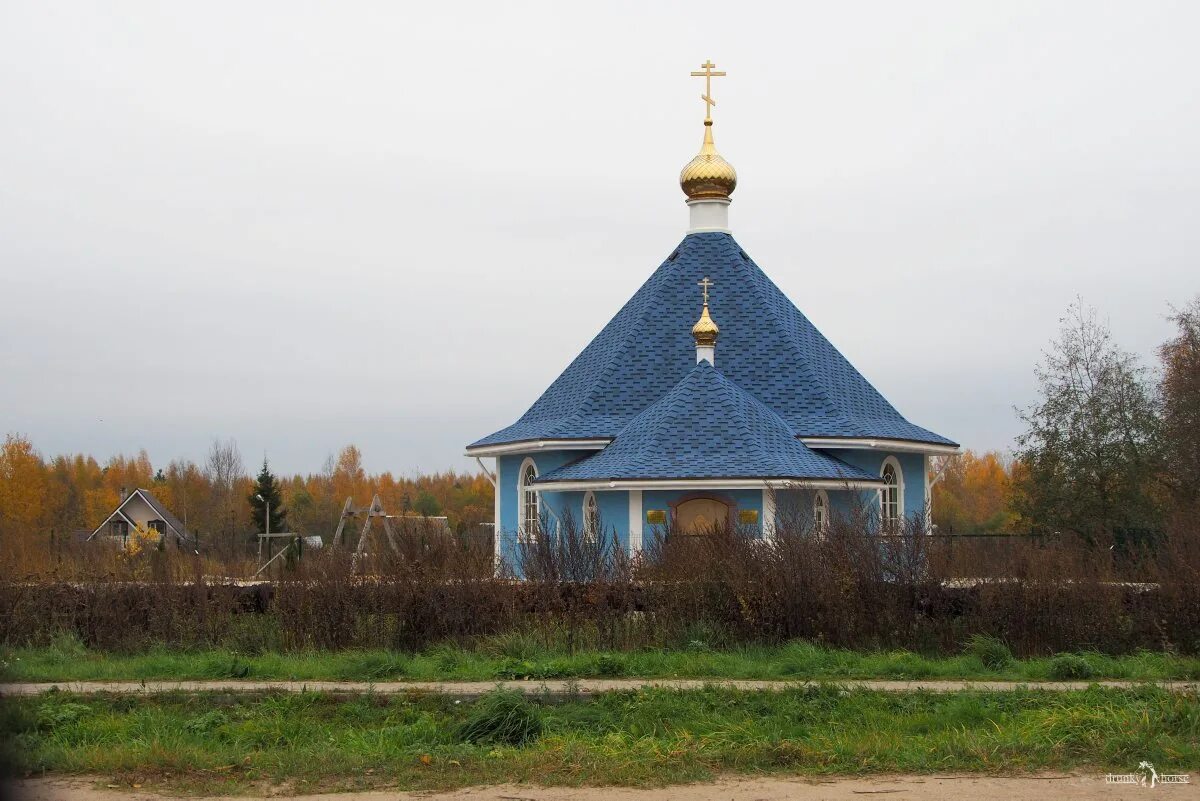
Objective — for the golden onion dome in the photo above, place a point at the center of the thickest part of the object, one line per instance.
(705, 330)
(708, 175)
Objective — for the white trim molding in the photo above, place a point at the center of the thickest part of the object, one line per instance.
(538, 445)
(928, 520)
(635, 522)
(497, 526)
(768, 514)
(708, 483)
(895, 445)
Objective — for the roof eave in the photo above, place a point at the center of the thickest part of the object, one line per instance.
(528, 445)
(732, 482)
(881, 444)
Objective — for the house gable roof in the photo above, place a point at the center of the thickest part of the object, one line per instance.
(154, 503)
(707, 427)
(767, 347)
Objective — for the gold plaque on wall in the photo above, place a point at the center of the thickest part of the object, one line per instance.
(656, 517)
(748, 517)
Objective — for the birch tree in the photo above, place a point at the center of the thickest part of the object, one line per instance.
(1090, 449)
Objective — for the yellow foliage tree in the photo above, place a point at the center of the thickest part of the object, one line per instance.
(23, 488)
(974, 494)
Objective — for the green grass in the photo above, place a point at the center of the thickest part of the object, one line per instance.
(232, 742)
(512, 657)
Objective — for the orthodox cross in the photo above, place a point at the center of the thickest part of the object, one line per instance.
(708, 75)
(704, 285)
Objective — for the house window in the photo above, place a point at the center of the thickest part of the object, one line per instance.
(528, 502)
(591, 517)
(820, 512)
(120, 528)
(890, 505)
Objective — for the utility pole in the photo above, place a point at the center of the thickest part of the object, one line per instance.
(266, 524)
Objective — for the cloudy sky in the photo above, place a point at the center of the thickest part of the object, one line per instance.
(303, 225)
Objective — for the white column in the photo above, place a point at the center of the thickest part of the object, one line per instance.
(635, 522)
(928, 495)
(708, 214)
(496, 527)
(706, 353)
(768, 513)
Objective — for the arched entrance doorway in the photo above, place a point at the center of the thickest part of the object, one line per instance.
(701, 515)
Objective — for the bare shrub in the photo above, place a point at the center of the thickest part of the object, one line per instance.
(845, 585)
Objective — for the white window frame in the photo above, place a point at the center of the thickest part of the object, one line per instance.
(523, 490)
(821, 519)
(898, 488)
(590, 527)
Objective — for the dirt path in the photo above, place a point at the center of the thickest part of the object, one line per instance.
(470, 689)
(929, 788)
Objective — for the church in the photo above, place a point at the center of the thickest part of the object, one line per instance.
(708, 399)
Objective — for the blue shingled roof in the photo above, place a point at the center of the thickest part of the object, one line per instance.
(767, 347)
(706, 427)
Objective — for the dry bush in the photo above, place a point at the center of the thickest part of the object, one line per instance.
(845, 586)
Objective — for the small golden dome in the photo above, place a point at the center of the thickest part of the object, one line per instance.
(708, 175)
(705, 330)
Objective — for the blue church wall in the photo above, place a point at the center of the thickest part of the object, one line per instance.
(912, 468)
(613, 504)
(508, 474)
(794, 507)
(614, 515)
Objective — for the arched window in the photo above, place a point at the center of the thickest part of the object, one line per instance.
(591, 517)
(820, 512)
(891, 496)
(528, 503)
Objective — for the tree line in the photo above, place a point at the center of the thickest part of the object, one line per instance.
(67, 495)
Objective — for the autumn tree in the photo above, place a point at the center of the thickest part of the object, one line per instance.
(23, 489)
(224, 468)
(186, 492)
(973, 494)
(349, 479)
(71, 495)
(302, 505)
(1089, 451)
(1179, 393)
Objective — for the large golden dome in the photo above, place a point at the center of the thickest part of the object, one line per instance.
(708, 175)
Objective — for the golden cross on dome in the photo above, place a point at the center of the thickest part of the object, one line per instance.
(708, 75)
(704, 285)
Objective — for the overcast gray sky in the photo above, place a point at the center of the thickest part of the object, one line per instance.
(303, 225)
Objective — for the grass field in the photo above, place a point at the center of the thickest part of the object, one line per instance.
(230, 742)
(517, 657)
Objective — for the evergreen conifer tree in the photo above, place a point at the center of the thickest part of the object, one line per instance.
(266, 486)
